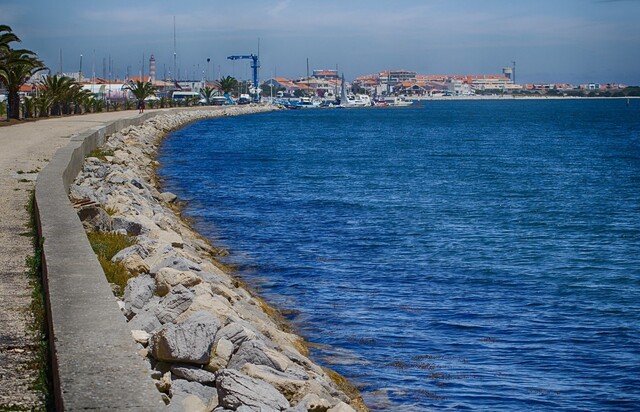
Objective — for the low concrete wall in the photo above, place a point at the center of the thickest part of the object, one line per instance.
(94, 359)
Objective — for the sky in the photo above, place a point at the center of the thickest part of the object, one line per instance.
(551, 41)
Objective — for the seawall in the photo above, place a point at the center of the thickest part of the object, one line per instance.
(96, 361)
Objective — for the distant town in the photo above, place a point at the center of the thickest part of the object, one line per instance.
(41, 93)
(328, 82)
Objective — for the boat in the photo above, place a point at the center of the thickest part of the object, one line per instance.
(350, 100)
(398, 101)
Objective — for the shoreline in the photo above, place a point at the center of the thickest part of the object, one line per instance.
(249, 344)
(513, 97)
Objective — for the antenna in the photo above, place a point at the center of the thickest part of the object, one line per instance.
(174, 48)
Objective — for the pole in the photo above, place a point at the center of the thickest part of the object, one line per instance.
(174, 49)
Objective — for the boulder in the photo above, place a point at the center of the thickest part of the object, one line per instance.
(145, 320)
(286, 384)
(137, 294)
(236, 334)
(141, 336)
(135, 265)
(182, 402)
(167, 278)
(178, 263)
(236, 389)
(205, 393)
(127, 225)
(168, 197)
(193, 374)
(341, 407)
(173, 304)
(311, 403)
(95, 219)
(257, 353)
(131, 250)
(220, 355)
(188, 342)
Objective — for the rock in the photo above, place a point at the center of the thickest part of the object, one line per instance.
(146, 321)
(168, 236)
(257, 353)
(131, 250)
(236, 334)
(311, 403)
(193, 374)
(130, 227)
(137, 293)
(173, 304)
(178, 263)
(341, 407)
(135, 265)
(220, 355)
(137, 184)
(188, 342)
(286, 384)
(207, 394)
(167, 278)
(168, 197)
(236, 389)
(182, 402)
(141, 336)
(213, 304)
(95, 219)
(164, 384)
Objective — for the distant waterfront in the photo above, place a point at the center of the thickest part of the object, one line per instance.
(474, 255)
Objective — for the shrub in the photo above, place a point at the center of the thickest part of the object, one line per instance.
(106, 246)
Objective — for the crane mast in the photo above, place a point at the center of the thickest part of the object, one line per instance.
(255, 64)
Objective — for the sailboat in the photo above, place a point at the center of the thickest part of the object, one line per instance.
(349, 100)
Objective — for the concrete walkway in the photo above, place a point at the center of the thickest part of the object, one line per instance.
(24, 150)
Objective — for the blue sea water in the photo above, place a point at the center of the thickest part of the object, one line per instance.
(480, 255)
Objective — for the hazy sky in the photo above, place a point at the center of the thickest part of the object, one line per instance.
(573, 41)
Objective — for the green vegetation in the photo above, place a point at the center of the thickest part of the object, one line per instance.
(207, 94)
(100, 153)
(141, 90)
(41, 363)
(227, 84)
(16, 68)
(106, 246)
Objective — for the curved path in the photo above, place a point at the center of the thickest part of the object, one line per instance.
(24, 150)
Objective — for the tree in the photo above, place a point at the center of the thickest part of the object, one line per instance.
(16, 67)
(6, 37)
(207, 94)
(141, 90)
(227, 84)
(57, 91)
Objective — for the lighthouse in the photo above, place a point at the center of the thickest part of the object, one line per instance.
(152, 69)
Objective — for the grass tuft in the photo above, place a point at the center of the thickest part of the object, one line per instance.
(100, 153)
(41, 362)
(106, 246)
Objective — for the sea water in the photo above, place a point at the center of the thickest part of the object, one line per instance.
(478, 255)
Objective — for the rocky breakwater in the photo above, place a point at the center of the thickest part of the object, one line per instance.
(211, 344)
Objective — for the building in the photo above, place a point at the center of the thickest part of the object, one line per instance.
(325, 74)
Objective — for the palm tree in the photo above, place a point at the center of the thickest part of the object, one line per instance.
(207, 93)
(227, 84)
(16, 67)
(6, 36)
(141, 90)
(58, 89)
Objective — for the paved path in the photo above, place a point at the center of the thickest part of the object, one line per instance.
(24, 150)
